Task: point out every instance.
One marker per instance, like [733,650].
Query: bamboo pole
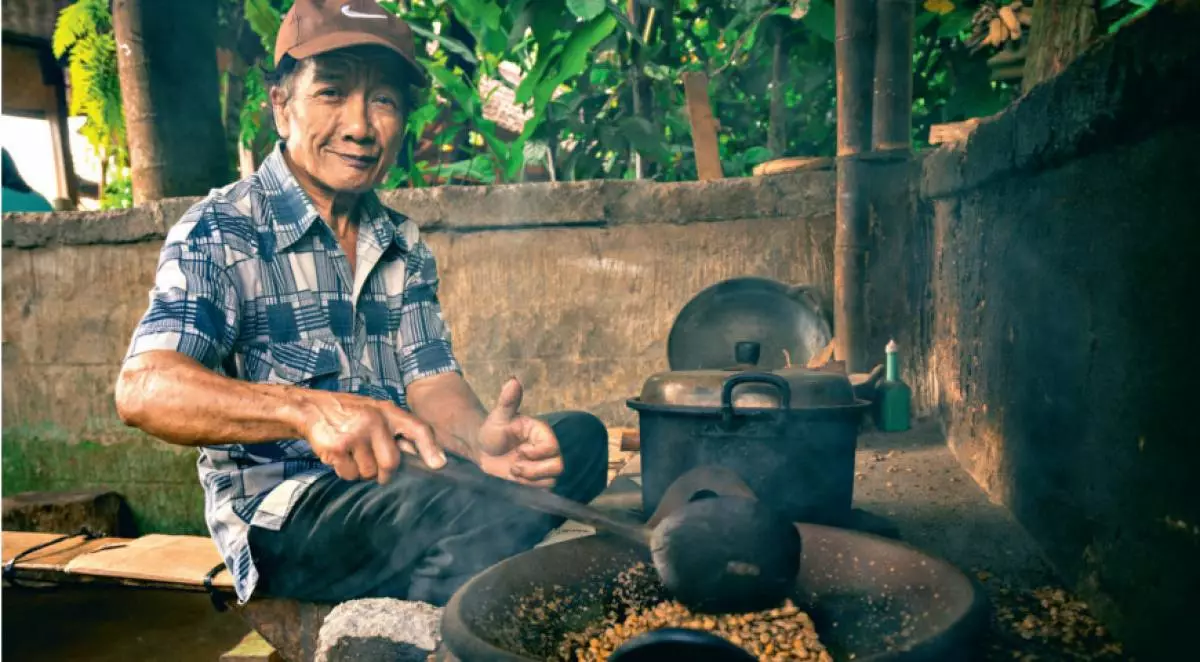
[892,106]
[854,52]
[855,61]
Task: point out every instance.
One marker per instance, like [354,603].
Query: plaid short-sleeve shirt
[252,284]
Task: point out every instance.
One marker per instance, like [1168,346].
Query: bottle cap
[892,347]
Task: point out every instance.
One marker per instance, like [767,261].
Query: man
[295,336]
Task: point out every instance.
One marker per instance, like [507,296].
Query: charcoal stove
[870,597]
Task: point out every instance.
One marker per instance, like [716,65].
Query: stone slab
[379,629]
[480,208]
[100,511]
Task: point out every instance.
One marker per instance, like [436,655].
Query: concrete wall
[1064,237]
[572,287]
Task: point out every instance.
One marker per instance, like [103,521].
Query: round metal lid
[787,323]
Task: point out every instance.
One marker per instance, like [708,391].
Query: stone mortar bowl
[870,597]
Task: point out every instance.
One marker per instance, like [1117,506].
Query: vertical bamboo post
[892,107]
[854,52]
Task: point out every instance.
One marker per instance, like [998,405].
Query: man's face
[343,120]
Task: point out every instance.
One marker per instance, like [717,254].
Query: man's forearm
[173,397]
[447,403]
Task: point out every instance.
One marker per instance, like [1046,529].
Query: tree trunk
[167,59]
[1060,31]
[235,98]
[235,82]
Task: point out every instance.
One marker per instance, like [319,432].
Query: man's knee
[583,439]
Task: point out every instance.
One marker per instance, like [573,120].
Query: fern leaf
[72,24]
[264,20]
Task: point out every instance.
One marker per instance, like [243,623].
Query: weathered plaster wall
[572,287]
[1061,354]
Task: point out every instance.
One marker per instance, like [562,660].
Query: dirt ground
[114,625]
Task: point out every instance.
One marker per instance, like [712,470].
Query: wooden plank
[793,164]
[54,558]
[704,126]
[156,559]
[822,357]
[952,132]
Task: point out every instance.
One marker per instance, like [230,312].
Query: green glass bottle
[893,398]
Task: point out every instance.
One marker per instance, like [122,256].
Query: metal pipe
[892,107]
[854,52]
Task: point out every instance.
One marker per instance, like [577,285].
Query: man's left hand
[518,447]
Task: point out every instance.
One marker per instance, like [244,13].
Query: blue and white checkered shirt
[252,284]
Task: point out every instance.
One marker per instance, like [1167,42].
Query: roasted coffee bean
[784,633]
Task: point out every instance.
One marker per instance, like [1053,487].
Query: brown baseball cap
[312,27]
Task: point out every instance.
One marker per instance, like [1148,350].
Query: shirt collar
[293,213]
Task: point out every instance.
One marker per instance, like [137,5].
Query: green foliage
[254,121]
[1120,12]
[586,62]
[586,9]
[118,193]
[84,34]
[603,91]
[264,18]
[84,29]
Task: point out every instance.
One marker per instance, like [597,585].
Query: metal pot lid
[799,388]
[785,321]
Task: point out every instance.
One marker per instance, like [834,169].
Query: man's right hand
[362,438]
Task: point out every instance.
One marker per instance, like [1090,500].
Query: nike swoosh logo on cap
[350,13]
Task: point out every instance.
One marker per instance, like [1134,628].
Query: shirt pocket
[312,363]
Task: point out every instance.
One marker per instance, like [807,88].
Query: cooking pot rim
[637,405]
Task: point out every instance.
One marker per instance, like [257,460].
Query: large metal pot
[791,434]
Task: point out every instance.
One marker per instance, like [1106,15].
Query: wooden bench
[172,562]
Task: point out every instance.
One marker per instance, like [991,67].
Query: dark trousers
[418,537]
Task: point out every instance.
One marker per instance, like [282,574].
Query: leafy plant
[84,31]
[117,194]
[601,82]
[1120,12]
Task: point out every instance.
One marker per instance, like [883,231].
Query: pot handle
[780,384]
